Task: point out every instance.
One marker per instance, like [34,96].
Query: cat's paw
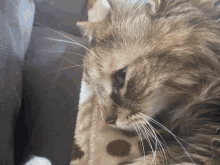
[35,160]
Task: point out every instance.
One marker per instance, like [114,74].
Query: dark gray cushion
[51,93]
[42,125]
[61,14]
[16,19]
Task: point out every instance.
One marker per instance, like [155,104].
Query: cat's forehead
[119,59]
[116,61]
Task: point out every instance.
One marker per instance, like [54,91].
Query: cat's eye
[119,78]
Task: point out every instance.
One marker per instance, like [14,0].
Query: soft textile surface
[16,19]
[61,14]
[38,99]
[52,80]
[101,143]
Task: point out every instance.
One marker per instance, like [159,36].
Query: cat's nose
[110,120]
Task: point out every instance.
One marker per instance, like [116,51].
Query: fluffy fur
[155,70]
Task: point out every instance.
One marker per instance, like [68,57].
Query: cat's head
[146,58]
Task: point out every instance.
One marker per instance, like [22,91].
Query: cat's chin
[122,126]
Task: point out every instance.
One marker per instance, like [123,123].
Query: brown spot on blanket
[118,148]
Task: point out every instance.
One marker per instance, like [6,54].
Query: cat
[155,70]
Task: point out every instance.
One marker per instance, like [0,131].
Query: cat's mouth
[130,124]
[116,123]
[123,126]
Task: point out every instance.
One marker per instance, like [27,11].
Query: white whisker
[73,41]
[140,138]
[162,126]
[158,143]
[75,65]
[157,139]
[72,62]
[66,37]
[69,67]
[155,132]
[147,137]
[64,58]
[61,52]
[54,39]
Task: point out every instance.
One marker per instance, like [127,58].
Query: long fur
[171,50]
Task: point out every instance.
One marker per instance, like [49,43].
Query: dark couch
[39,83]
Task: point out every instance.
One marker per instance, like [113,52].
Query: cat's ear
[87,28]
[155,5]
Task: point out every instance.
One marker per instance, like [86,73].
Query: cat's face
[128,83]
[142,64]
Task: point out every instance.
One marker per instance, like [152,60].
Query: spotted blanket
[97,143]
